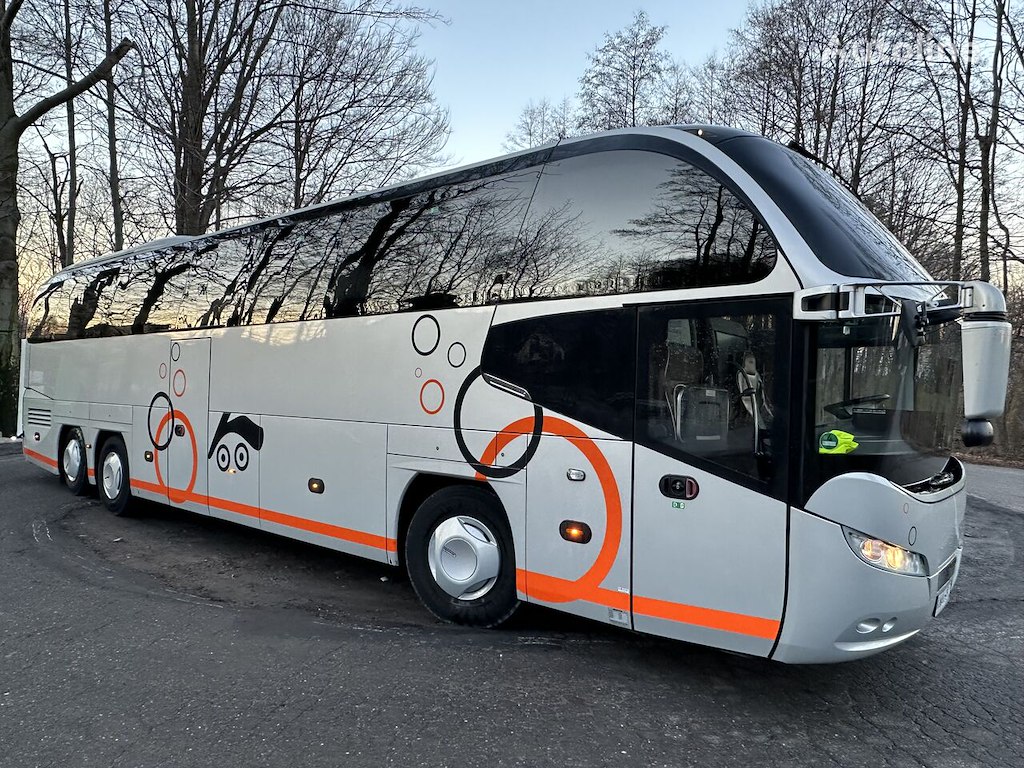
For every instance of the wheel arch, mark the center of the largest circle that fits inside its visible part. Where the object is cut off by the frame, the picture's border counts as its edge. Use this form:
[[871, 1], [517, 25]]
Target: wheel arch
[[420, 488]]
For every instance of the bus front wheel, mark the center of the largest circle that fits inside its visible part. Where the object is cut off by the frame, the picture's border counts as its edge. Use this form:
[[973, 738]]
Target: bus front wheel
[[112, 476], [460, 557]]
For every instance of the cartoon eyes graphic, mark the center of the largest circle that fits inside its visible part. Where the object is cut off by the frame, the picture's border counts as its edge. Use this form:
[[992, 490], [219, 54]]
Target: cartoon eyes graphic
[[245, 428], [224, 456]]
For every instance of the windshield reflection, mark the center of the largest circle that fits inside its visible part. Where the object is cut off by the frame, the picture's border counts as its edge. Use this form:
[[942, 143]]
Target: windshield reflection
[[881, 405]]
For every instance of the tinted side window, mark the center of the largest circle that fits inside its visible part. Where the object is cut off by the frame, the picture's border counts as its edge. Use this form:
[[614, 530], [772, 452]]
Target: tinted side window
[[628, 221], [149, 292], [91, 301], [223, 276], [841, 231], [93, 311], [445, 248], [51, 311], [294, 282], [578, 364], [84, 305]]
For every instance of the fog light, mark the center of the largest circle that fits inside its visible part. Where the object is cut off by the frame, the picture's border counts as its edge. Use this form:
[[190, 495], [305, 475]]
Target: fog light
[[884, 555]]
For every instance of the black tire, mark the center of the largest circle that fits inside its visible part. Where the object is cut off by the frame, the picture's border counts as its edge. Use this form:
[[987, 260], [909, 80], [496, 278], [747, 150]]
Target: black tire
[[500, 601], [78, 484], [118, 502]]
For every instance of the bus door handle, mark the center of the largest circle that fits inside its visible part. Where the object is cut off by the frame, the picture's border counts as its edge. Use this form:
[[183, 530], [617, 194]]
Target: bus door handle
[[179, 430], [679, 487]]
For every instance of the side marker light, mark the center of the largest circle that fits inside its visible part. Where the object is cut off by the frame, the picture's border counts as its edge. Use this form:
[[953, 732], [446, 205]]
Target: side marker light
[[575, 531]]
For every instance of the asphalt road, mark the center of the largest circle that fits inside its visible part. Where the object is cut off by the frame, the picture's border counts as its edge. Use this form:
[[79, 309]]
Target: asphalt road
[[176, 640]]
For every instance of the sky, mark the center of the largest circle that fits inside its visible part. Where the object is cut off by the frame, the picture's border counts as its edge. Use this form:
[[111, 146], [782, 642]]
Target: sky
[[495, 56]]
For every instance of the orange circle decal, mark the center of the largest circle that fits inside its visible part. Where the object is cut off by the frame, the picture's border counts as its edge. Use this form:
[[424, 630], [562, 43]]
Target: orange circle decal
[[583, 587], [436, 394], [177, 495]]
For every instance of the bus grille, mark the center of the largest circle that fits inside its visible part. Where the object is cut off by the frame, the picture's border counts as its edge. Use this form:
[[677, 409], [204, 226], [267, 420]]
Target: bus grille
[[39, 417]]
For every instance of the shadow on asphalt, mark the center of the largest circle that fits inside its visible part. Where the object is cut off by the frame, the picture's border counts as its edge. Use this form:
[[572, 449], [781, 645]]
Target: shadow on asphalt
[[278, 578]]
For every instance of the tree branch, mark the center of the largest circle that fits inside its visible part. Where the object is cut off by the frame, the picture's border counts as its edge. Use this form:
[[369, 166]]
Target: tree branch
[[7, 20], [102, 70]]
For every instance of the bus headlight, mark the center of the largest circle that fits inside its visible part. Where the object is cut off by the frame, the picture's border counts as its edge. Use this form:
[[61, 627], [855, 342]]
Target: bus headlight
[[884, 555]]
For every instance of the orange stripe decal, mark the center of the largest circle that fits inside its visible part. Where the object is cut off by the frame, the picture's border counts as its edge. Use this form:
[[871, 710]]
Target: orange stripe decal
[[142, 485], [40, 457], [726, 621], [326, 529], [550, 589], [280, 518]]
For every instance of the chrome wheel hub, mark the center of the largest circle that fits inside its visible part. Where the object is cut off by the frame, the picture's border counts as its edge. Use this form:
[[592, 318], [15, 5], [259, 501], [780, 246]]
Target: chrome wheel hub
[[113, 476], [464, 558], [72, 459]]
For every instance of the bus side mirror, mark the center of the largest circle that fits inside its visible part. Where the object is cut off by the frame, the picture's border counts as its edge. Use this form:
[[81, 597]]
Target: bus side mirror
[[985, 335]]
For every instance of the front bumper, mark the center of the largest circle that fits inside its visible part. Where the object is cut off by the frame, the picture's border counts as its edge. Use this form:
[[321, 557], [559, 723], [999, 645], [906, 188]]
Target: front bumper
[[839, 608]]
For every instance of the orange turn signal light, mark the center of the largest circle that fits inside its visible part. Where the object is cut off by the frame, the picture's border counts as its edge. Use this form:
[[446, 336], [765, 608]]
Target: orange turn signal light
[[575, 531]]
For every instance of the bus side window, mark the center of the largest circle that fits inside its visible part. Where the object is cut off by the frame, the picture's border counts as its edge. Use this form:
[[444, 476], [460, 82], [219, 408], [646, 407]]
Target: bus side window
[[148, 294], [710, 383], [445, 248], [629, 221], [50, 312], [577, 364], [219, 277]]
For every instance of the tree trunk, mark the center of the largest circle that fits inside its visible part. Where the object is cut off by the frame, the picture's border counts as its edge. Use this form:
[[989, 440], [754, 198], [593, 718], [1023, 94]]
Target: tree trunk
[[966, 105], [10, 335], [117, 207], [12, 126], [69, 79], [987, 143]]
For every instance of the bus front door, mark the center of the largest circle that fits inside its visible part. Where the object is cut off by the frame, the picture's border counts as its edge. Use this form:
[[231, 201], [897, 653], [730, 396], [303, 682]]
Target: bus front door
[[188, 389], [709, 519]]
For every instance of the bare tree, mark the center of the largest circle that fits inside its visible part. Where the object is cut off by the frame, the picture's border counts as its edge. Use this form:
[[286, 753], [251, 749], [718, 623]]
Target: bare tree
[[619, 87], [358, 107], [196, 95], [12, 126], [540, 122], [675, 94]]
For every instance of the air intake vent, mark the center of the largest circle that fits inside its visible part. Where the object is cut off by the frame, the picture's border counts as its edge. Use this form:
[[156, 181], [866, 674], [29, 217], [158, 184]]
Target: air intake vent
[[39, 417]]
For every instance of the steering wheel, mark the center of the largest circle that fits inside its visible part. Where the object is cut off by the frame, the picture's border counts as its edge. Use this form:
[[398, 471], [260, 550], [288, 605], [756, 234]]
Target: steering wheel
[[839, 410]]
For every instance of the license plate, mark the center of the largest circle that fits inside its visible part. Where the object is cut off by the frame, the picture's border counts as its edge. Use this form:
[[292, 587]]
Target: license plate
[[943, 597]]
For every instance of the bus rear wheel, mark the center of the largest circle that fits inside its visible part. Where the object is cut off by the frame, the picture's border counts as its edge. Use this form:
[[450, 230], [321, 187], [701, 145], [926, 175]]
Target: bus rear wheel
[[112, 476], [73, 467], [460, 558]]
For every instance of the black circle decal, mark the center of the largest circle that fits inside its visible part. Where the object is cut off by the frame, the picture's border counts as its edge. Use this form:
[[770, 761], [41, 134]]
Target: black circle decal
[[456, 355], [241, 457], [426, 335], [223, 457], [149, 420], [494, 472], [175, 351]]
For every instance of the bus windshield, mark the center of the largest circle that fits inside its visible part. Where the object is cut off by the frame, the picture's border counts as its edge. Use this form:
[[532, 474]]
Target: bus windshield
[[881, 405]]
